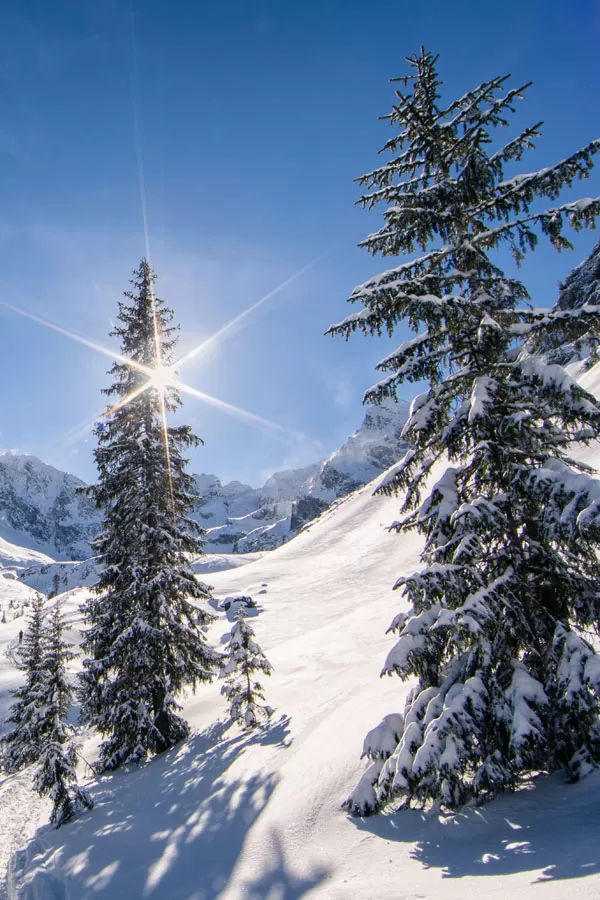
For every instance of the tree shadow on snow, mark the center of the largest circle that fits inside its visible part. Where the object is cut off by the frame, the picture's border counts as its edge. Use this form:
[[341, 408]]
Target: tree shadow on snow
[[172, 829], [278, 881], [550, 830]]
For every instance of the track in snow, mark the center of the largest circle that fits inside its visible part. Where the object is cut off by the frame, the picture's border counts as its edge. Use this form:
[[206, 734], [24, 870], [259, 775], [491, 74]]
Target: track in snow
[[21, 812]]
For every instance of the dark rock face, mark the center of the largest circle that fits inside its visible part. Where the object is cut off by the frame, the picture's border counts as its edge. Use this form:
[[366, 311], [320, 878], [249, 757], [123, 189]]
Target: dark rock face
[[580, 288], [582, 285], [305, 510]]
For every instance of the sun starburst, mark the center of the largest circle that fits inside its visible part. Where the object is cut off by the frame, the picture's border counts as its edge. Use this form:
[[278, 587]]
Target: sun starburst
[[161, 377]]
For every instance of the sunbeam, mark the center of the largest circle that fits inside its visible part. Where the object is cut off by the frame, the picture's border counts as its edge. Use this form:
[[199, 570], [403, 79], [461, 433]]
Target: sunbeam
[[165, 437], [112, 354], [126, 399], [159, 377], [162, 375], [244, 315], [76, 433], [233, 410]]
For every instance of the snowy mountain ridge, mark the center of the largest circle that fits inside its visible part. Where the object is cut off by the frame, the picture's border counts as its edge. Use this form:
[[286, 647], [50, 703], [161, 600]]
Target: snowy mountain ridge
[[41, 509], [580, 288], [242, 519]]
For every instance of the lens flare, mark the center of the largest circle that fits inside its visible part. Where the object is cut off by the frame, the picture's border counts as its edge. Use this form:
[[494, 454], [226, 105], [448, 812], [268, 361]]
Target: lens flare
[[196, 351], [112, 354], [161, 376], [233, 410]]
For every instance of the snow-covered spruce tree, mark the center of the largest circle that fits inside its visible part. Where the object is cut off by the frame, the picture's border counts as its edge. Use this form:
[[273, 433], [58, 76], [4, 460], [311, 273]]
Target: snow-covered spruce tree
[[496, 634], [23, 744], [244, 657], [581, 289], [144, 640], [56, 760]]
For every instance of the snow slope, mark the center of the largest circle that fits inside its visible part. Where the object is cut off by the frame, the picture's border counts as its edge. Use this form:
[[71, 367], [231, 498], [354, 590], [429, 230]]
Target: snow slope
[[226, 816], [241, 519], [41, 509]]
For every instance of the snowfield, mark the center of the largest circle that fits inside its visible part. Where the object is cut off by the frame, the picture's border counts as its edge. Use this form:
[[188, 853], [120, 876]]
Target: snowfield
[[257, 817]]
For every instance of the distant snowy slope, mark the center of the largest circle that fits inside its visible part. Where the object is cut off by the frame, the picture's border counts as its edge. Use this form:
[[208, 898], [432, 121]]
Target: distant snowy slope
[[242, 519], [40, 508], [16, 557]]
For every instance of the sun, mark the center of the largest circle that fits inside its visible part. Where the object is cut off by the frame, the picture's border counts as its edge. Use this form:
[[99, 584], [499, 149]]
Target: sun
[[161, 378]]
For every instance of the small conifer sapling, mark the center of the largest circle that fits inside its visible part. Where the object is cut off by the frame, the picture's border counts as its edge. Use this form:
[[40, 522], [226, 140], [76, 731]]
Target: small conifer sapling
[[243, 658]]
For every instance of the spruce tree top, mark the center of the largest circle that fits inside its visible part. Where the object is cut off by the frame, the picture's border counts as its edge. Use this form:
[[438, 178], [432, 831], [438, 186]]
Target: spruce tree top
[[146, 334], [134, 428], [144, 487], [446, 192]]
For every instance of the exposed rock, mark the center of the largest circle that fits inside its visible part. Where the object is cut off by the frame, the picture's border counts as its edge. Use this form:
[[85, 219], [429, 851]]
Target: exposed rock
[[580, 288]]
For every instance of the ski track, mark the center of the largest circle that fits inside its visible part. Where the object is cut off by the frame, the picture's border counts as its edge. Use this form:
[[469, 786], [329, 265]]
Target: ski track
[[21, 808], [21, 813]]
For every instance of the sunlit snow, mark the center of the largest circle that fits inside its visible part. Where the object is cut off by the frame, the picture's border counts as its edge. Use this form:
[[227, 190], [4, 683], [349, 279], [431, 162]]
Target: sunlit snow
[[258, 817]]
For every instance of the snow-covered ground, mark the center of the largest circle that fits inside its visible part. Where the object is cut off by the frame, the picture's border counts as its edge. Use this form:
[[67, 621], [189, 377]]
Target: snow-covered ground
[[258, 817]]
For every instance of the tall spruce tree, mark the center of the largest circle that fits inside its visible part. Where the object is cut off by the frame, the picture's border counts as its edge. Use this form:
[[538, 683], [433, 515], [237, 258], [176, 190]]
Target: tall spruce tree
[[22, 745], [498, 620], [56, 776], [144, 639]]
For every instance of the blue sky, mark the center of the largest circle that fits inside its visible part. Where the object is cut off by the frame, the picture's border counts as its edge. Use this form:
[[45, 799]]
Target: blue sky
[[254, 117]]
